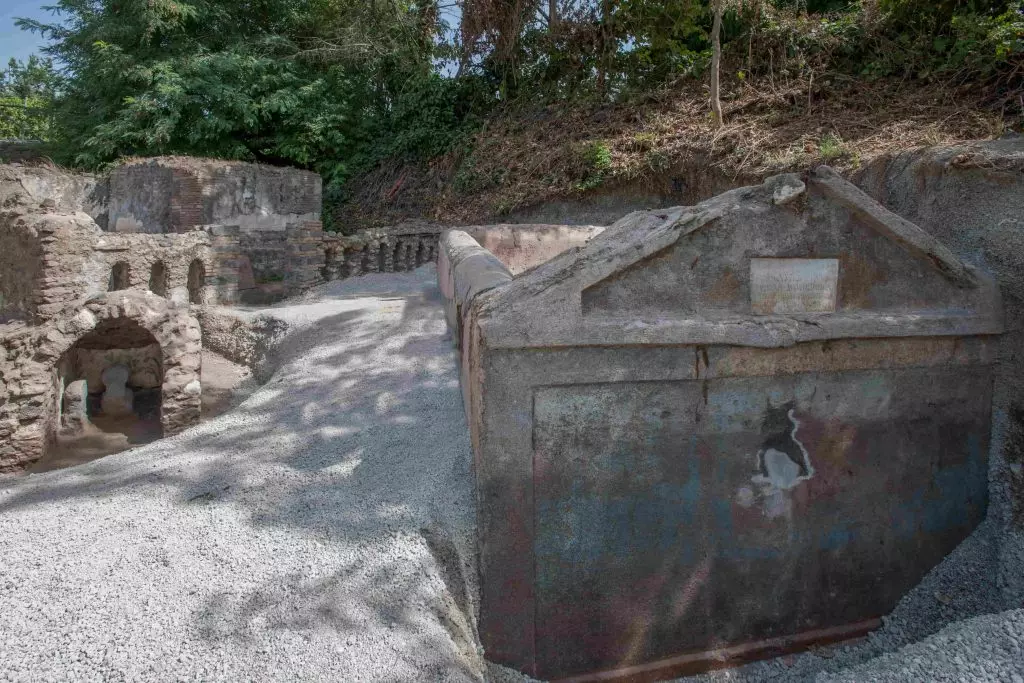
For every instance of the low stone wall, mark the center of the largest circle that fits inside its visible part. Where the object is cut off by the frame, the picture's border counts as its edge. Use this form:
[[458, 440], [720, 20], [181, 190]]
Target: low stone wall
[[464, 270], [391, 250], [47, 260], [521, 247], [35, 366], [240, 338], [406, 247]]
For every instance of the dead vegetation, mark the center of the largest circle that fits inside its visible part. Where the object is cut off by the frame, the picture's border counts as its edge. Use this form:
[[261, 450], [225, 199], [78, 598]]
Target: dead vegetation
[[527, 155]]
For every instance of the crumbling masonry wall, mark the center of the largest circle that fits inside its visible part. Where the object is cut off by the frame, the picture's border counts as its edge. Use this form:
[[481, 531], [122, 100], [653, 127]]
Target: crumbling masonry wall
[[183, 233], [271, 213], [48, 260]]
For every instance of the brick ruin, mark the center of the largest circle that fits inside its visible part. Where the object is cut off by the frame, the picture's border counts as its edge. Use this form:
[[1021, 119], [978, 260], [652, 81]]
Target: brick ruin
[[103, 282], [150, 249]]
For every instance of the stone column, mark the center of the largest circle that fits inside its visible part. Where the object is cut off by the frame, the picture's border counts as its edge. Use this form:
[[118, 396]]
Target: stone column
[[222, 278]]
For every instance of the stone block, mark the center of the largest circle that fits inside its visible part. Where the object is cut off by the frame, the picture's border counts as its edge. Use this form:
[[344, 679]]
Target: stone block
[[683, 458]]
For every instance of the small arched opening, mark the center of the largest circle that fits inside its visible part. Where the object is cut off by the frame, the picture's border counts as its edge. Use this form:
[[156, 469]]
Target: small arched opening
[[110, 394], [158, 279], [196, 281], [120, 277]]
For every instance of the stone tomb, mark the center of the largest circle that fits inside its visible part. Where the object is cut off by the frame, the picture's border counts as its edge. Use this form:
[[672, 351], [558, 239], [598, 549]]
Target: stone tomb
[[719, 432]]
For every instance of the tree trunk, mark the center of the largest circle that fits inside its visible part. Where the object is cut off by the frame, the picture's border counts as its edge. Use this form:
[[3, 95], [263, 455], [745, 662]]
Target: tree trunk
[[552, 16], [605, 45], [716, 62]]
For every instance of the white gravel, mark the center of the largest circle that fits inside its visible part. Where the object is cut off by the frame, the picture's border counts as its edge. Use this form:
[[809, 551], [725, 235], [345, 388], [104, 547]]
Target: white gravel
[[323, 530], [313, 533]]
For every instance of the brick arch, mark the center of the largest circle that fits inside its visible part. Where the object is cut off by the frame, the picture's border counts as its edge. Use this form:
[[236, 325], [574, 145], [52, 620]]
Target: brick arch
[[171, 326], [29, 416]]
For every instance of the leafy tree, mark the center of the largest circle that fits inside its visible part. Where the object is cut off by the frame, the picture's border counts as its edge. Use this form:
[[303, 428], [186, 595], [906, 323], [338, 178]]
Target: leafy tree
[[26, 95], [281, 81]]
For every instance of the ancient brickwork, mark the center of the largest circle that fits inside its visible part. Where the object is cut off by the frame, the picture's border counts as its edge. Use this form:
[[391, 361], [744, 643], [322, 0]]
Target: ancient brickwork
[[85, 304], [186, 202], [226, 260], [39, 361], [177, 194], [272, 213], [408, 246], [304, 255]]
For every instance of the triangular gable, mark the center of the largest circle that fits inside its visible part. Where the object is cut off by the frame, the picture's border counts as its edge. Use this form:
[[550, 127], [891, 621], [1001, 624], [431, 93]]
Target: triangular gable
[[705, 274]]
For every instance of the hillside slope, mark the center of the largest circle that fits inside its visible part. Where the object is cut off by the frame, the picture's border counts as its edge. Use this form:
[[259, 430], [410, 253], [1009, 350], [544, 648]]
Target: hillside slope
[[667, 146]]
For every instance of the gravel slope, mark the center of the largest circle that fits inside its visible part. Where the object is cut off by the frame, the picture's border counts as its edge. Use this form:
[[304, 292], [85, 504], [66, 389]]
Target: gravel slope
[[323, 530], [313, 533]]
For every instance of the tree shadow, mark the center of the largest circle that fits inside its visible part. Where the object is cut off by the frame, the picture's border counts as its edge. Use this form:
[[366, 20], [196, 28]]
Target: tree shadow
[[358, 442]]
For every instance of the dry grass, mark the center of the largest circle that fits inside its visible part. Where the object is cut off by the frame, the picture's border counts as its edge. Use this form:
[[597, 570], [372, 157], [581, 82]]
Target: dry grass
[[530, 155]]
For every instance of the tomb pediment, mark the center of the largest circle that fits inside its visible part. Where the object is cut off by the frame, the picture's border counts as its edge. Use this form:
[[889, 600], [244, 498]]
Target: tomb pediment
[[794, 259]]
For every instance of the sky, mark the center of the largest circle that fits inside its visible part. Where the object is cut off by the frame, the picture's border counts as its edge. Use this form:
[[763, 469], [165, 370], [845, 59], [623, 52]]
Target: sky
[[13, 41]]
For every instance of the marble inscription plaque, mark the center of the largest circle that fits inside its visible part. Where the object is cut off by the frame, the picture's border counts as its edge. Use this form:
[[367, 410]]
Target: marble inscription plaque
[[793, 285]]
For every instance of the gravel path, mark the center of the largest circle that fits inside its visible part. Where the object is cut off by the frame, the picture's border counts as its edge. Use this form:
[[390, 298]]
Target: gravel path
[[313, 533], [323, 530]]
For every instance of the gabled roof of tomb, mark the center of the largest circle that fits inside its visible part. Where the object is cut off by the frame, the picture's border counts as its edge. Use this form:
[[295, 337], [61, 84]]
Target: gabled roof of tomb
[[681, 275]]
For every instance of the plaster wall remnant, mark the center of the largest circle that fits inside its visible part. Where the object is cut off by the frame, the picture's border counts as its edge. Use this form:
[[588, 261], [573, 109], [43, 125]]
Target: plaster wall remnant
[[181, 194], [662, 436]]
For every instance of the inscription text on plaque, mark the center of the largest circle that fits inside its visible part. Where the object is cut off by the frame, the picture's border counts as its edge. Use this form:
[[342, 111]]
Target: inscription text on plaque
[[793, 285]]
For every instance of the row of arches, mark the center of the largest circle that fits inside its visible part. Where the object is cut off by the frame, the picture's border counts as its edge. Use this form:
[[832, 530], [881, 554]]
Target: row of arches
[[120, 278]]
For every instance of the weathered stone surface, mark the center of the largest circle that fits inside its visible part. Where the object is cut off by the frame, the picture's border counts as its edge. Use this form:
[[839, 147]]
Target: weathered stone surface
[[38, 276], [521, 247], [117, 398], [179, 194], [971, 198], [244, 340], [654, 456], [33, 186], [74, 414], [44, 358], [464, 270]]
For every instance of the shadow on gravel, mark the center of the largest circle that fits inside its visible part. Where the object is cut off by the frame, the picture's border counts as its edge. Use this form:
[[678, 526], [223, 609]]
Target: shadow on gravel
[[359, 440]]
